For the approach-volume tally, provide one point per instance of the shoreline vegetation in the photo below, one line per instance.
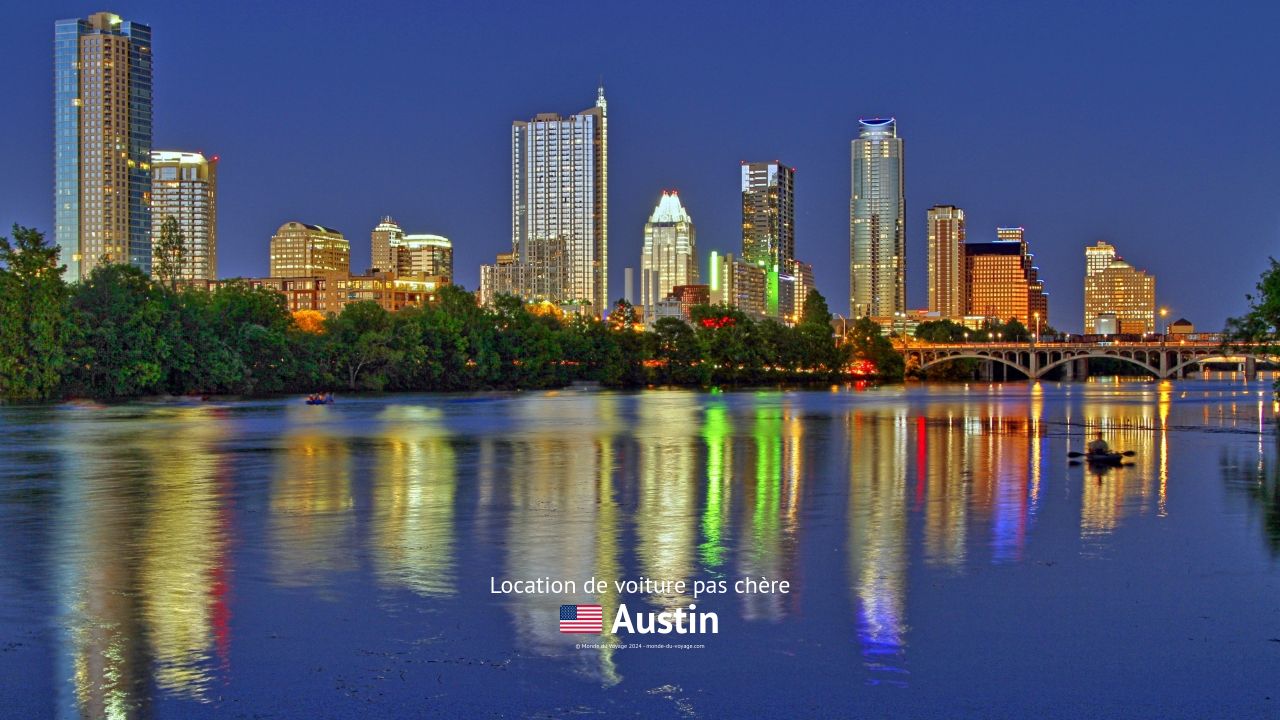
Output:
(120, 335)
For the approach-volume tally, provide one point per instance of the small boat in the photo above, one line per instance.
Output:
(1107, 458)
(320, 399)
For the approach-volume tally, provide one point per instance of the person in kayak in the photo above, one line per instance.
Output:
(1098, 446)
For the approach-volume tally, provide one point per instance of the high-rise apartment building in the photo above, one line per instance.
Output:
(877, 222)
(102, 142)
(560, 208)
(1113, 287)
(386, 235)
(739, 284)
(768, 215)
(299, 250)
(1002, 282)
(803, 274)
(946, 261)
(184, 186)
(669, 256)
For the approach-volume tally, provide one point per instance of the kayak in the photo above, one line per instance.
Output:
(320, 401)
(1107, 458)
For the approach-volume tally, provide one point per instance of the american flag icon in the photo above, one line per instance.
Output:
(581, 619)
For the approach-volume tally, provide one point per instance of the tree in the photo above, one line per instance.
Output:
(34, 327)
(679, 353)
(361, 344)
(940, 331)
(309, 321)
(868, 343)
(124, 345)
(168, 257)
(815, 310)
(1259, 326)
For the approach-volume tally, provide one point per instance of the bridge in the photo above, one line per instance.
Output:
(1166, 358)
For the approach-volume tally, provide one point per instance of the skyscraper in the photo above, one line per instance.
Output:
(669, 256)
(299, 250)
(102, 142)
(1113, 286)
(946, 260)
(560, 207)
(768, 214)
(877, 222)
(184, 186)
(430, 255)
(1002, 281)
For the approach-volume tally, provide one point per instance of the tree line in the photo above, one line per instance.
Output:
(119, 334)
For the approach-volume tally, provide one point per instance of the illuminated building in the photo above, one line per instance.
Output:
(504, 277)
(560, 208)
(423, 255)
(386, 235)
(768, 214)
(1002, 281)
(802, 272)
(330, 292)
(299, 249)
(1112, 285)
(738, 284)
(689, 297)
(669, 257)
(946, 261)
(184, 186)
(877, 222)
(102, 142)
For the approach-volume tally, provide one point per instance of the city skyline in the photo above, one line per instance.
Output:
(953, 158)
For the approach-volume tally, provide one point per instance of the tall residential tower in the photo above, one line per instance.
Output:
(877, 222)
(946, 261)
(102, 142)
(184, 186)
(560, 210)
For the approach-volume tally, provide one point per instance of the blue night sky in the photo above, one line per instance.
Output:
(1152, 126)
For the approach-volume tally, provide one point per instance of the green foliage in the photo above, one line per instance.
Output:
(119, 334)
(868, 343)
(168, 256)
(941, 331)
(34, 328)
(1262, 323)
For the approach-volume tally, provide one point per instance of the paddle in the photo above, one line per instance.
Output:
(1074, 454)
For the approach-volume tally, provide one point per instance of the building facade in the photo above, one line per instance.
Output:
(560, 207)
(669, 256)
(946, 261)
(1112, 285)
(184, 186)
(102, 142)
(300, 250)
(386, 235)
(803, 274)
(738, 284)
(768, 214)
(330, 292)
(877, 222)
(1002, 283)
(430, 255)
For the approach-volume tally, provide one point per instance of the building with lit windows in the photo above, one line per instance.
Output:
(560, 208)
(1113, 286)
(394, 251)
(184, 186)
(946, 261)
(802, 272)
(102, 142)
(669, 256)
(330, 292)
(298, 250)
(738, 284)
(1002, 282)
(877, 222)
(768, 214)
(386, 235)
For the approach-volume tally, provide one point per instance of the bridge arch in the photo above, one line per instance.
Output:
(939, 359)
(1221, 357)
(1099, 356)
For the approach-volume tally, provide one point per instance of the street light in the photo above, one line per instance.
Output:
(1164, 315)
(1037, 335)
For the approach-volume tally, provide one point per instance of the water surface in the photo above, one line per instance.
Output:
(271, 559)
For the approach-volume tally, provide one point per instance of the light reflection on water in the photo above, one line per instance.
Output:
(168, 524)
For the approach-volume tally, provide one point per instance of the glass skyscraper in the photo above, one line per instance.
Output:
(560, 208)
(102, 142)
(877, 222)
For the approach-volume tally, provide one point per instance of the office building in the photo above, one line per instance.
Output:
(102, 142)
(391, 249)
(299, 250)
(1003, 283)
(386, 235)
(1112, 285)
(560, 208)
(184, 186)
(877, 222)
(802, 272)
(669, 255)
(946, 261)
